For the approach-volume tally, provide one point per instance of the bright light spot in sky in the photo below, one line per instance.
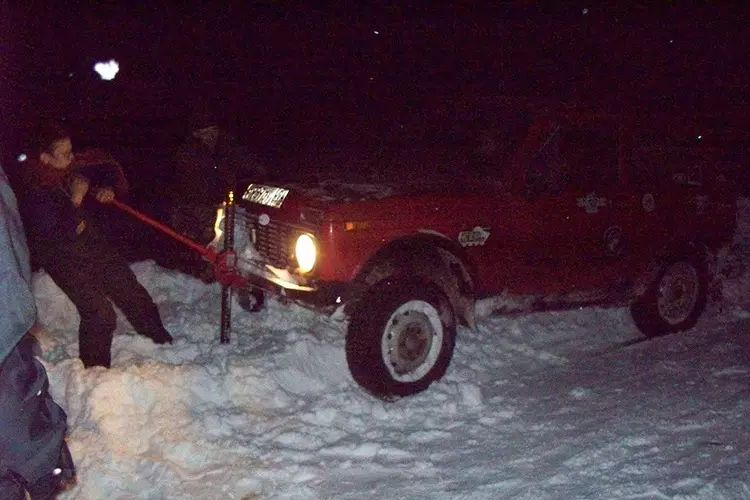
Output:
(585, 11)
(107, 70)
(376, 32)
(700, 137)
(671, 41)
(21, 157)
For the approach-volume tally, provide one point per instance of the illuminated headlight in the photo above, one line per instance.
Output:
(219, 222)
(218, 228)
(306, 253)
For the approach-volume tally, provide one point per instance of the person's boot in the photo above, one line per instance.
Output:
(161, 336)
(92, 358)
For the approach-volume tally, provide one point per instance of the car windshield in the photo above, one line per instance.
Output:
(421, 148)
(495, 142)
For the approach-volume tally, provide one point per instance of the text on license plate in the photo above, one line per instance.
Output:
(265, 195)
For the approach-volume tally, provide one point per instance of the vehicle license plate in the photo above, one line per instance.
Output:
(265, 195)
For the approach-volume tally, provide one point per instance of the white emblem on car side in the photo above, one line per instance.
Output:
(648, 202)
(474, 237)
(591, 203)
(264, 219)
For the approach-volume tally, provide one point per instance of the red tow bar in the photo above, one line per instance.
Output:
(224, 262)
(208, 253)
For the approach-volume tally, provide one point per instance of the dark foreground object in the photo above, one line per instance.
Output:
(34, 457)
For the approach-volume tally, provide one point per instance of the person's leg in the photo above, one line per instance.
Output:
(123, 288)
(83, 287)
(33, 455)
(196, 221)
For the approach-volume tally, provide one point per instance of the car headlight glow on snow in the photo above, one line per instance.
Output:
(306, 252)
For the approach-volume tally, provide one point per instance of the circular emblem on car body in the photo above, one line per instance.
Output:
(648, 202)
(614, 241)
(264, 219)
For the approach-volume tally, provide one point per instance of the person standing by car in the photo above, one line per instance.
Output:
(208, 164)
(34, 458)
(66, 243)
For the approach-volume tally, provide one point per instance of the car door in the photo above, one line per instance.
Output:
(572, 184)
(652, 203)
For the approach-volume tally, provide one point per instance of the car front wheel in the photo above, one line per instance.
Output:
(676, 298)
(400, 339)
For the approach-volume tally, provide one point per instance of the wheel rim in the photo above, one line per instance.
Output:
(412, 340)
(678, 293)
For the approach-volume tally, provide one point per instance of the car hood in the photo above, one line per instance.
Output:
(336, 191)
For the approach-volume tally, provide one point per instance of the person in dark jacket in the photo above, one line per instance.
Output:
(207, 164)
(66, 243)
(34, 459)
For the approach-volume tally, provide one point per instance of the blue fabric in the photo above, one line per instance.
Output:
(17, 307)
(33, 428)
(32, 425)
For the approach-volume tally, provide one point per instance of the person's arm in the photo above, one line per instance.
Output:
(53, 218)
(103, 170)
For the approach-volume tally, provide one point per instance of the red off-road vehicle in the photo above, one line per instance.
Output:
(569, 209)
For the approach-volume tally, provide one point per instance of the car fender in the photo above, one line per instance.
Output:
(425, 255)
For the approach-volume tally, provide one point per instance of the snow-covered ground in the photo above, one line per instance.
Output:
(540, 406)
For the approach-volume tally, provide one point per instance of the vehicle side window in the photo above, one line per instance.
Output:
(545, 171)
(571, 159)
(648, 160)
(657, 161)
(686, 166)
(590, 157)
(647, 166)
(495, 142)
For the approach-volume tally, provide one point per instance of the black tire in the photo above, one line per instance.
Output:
(675, 299)
(400, 339)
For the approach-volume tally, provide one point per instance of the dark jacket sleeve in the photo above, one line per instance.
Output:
(51, 217)
(105, 175)
(101, 169)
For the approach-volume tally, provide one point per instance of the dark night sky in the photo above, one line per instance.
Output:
(284, 72)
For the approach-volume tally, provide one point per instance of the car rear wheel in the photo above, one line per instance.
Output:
(400, 339)
(676, 298)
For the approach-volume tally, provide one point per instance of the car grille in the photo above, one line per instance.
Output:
(274, 241)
